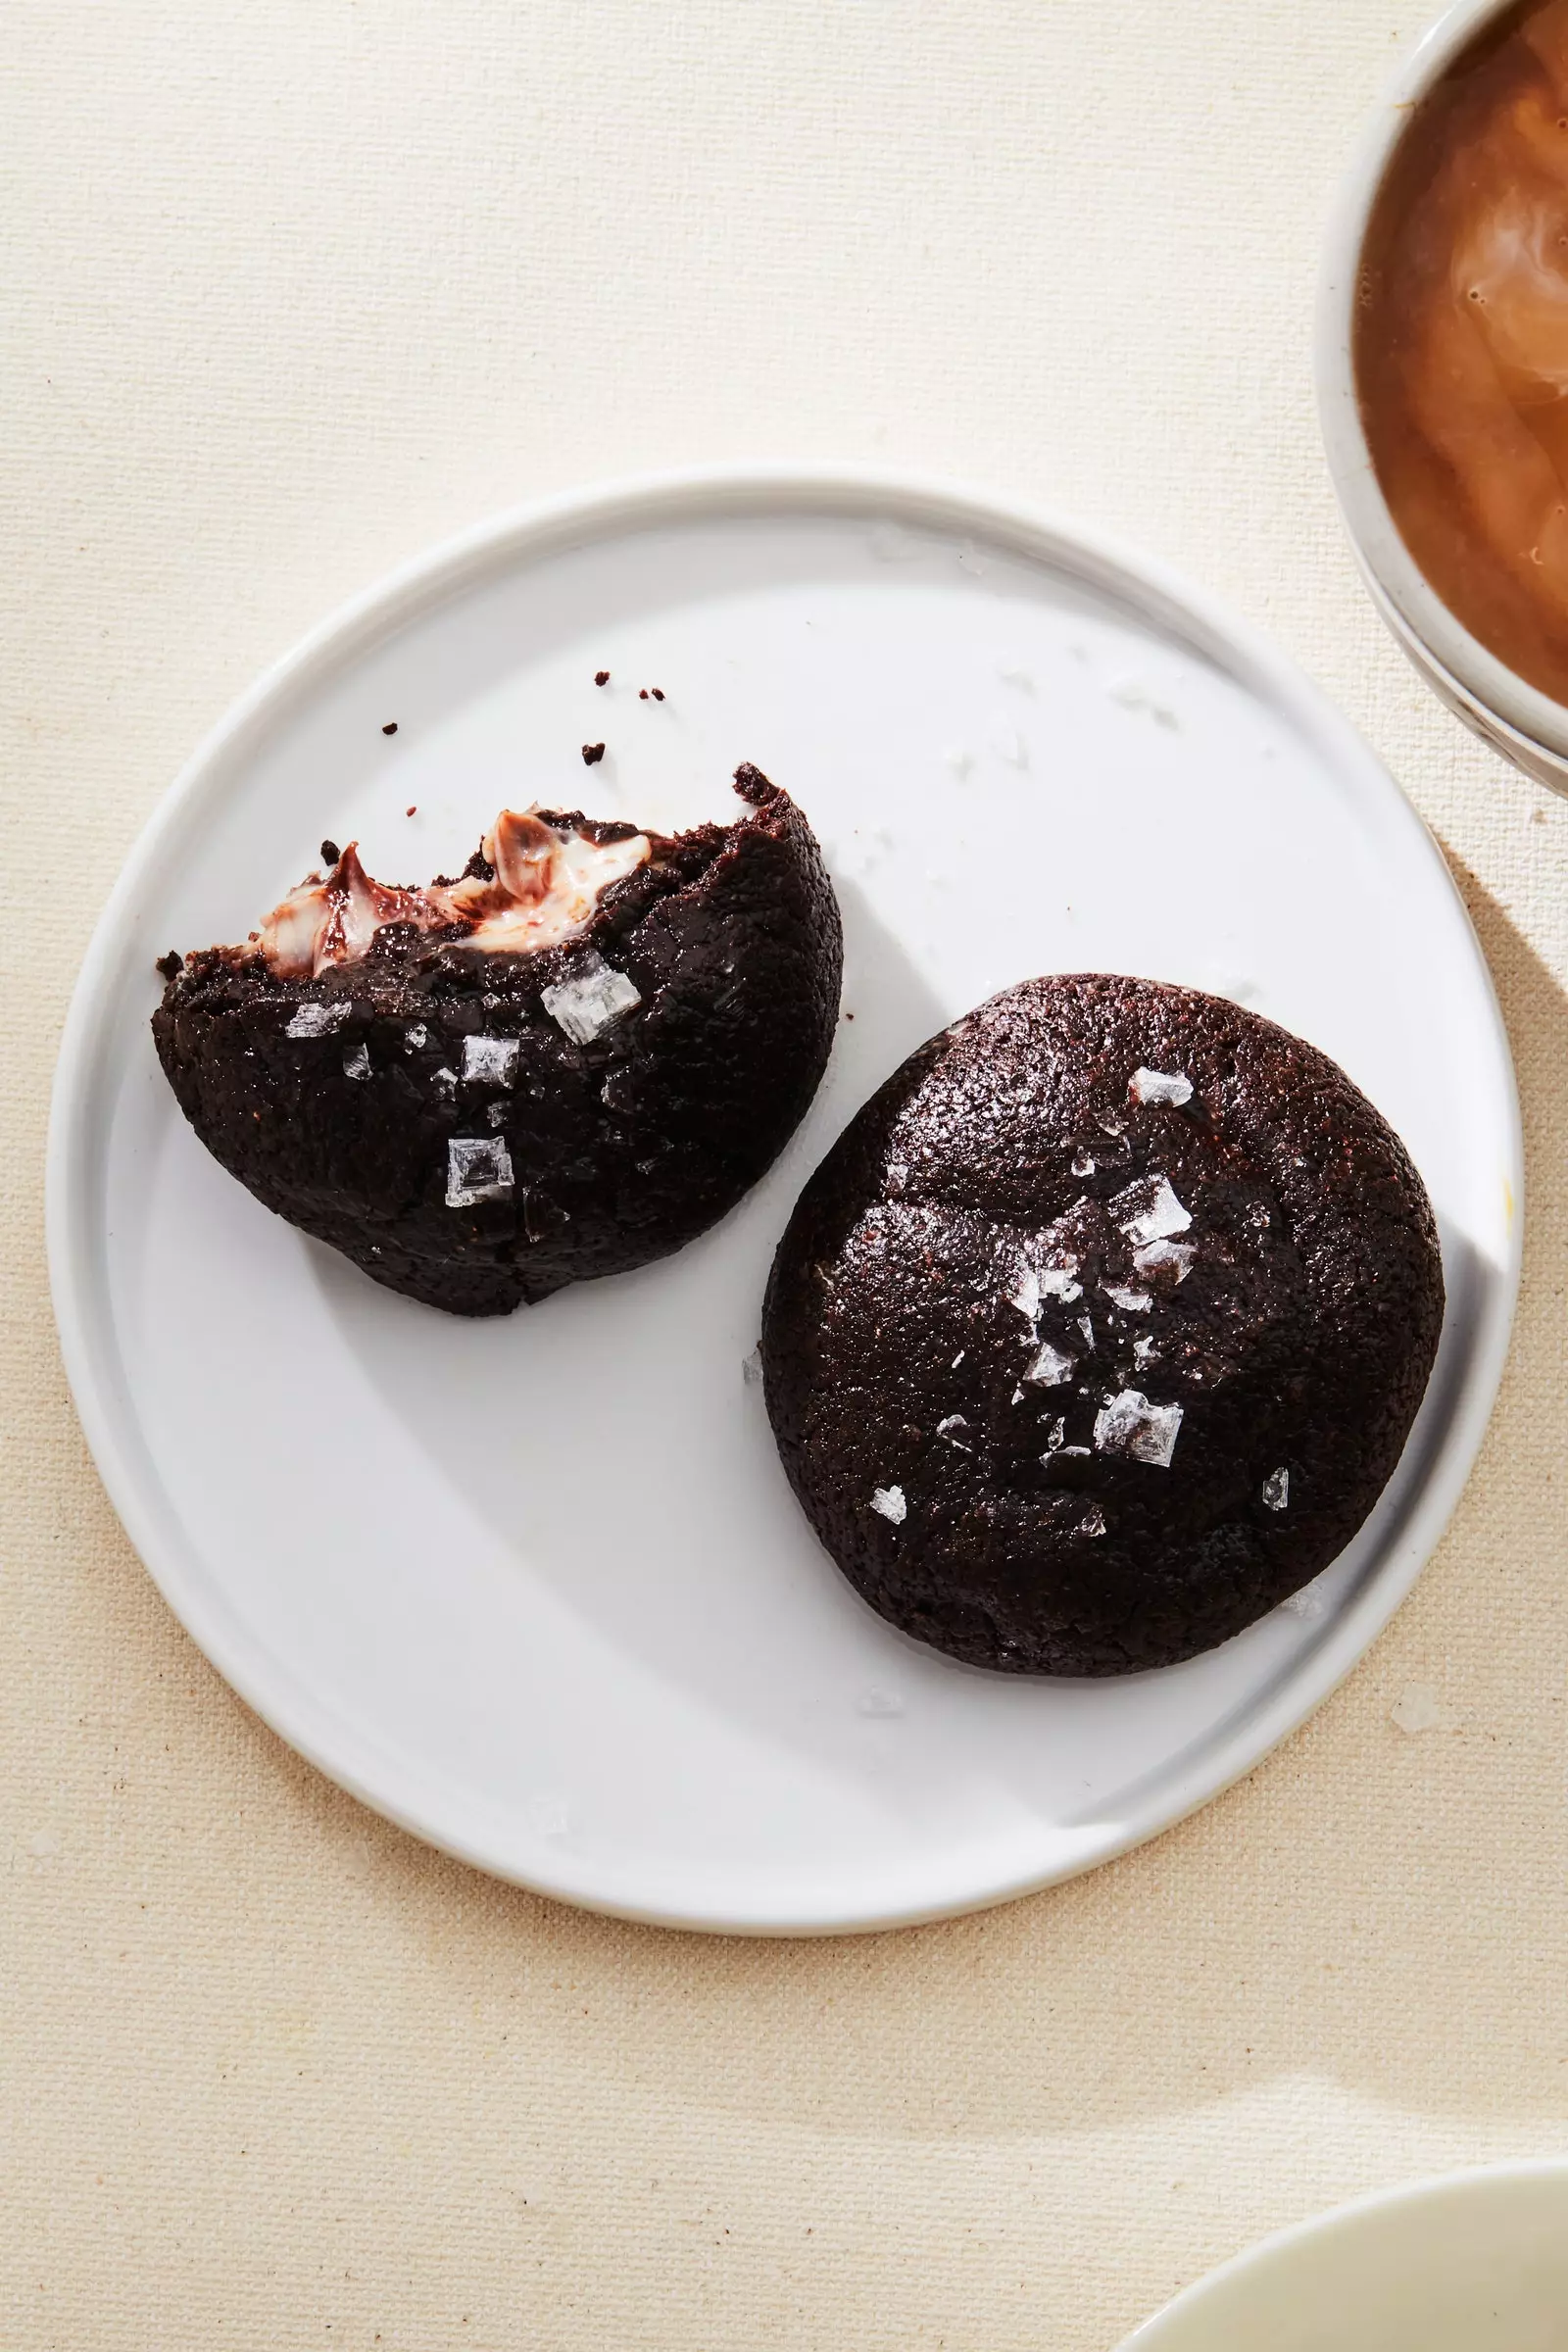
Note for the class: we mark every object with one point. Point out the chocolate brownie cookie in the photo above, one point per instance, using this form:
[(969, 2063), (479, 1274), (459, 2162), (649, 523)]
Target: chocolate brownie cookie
[(1101, 1328), (574, 1058)]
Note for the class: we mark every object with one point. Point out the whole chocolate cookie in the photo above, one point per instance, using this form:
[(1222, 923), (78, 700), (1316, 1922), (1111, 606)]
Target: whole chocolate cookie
[(1101, 1328), (570, 1061)]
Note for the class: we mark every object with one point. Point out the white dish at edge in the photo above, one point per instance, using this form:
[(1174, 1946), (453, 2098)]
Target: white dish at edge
[(1471, 2261), (536, 1588)]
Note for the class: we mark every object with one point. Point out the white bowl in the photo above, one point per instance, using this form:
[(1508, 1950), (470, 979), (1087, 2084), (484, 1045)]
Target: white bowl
[(1473, 2262), (1528, 726)]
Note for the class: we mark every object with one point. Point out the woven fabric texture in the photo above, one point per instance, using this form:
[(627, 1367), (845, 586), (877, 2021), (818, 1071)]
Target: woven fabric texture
[(292, 291)]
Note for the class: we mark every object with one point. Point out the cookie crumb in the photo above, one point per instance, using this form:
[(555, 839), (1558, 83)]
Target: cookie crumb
[(601, 677), (413, 809), (592, 753), (330, 853), (391, 727), (169, 966), (658, 692), (642, 693)]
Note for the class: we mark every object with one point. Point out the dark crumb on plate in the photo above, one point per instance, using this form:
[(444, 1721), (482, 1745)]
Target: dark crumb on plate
[(330, 853), (413, 809), (592, 753), (848, 1016), (642, 693), (391, 727), (601, 677), (657, 694), (169, 966)]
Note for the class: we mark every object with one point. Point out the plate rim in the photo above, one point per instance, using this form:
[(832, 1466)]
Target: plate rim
[(534, 530), (1428, 2188)]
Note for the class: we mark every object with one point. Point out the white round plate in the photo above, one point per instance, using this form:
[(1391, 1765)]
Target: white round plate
[(1473, 2262), (536, 1588)]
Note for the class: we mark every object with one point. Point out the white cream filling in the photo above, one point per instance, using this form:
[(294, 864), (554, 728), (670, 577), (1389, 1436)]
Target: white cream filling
[(546, 888)]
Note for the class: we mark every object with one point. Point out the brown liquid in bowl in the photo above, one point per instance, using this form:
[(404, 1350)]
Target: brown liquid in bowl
[(1461, 341)]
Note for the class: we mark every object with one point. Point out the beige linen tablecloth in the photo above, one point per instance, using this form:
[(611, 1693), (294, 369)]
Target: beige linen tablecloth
[(291, 291)]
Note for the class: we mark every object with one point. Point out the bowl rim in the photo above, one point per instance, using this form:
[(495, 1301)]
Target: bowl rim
[(1431, 2187), (1468, 666)]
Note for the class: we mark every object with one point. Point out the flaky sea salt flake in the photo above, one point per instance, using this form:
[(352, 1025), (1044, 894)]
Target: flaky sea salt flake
[(1134, 694), (1165, 1257), (1051, 1367), (590, 999), (1025, 1292), (1131, 1302), (318, 1020), (478, 1168), (491, 1060), (1416, 1709), (1159, 1086), (752, 1367), (1093, 1522), (892, 544), (1129, 1424), (889, 1500), (1148, 1211), (1277, 1488), (357, 1062)]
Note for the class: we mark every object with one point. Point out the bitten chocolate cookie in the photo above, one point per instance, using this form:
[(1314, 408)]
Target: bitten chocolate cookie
[(570, 1061), (1101, 1328)]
